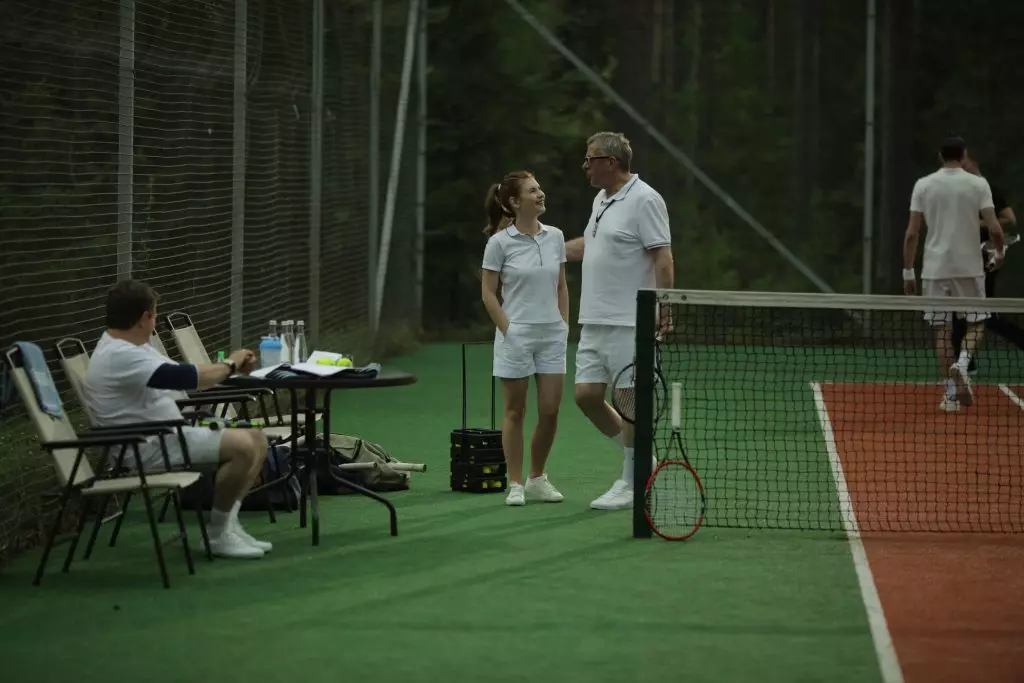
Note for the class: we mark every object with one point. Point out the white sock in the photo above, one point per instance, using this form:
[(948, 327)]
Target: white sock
[(950, 388), (627, 464), (234, 513), (219, 521)]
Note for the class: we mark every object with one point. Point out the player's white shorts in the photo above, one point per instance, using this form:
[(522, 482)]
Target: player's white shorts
[(203, 450), (954, 287), (603, 351), (531, 348)]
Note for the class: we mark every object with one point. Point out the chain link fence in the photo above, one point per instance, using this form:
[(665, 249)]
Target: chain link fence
[(175, 143)]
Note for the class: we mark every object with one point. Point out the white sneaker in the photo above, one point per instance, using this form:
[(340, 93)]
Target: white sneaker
[(516, 494), (230, 544), (539, 488), (265, 546), (963, 385), (949, 404), (618, 497)]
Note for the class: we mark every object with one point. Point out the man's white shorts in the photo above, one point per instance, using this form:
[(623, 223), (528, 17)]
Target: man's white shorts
[(604, 350), (203, 450), (954, 288), (530, 348)]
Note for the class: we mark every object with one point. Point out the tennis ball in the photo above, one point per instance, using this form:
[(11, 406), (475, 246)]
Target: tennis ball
[(344, 362), (324, 361)]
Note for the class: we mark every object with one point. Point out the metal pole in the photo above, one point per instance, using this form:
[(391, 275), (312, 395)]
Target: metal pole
[(396, 156), (238, 175), (421, 160), (316, 138), (374, 170), (125, 138), (673, 151), (869, 149)]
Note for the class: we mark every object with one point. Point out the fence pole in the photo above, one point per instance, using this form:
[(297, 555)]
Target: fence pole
[(396, 156), (373, 228), (125, 138), (315, 173), (421, 159), (869, 148), (238, 174)]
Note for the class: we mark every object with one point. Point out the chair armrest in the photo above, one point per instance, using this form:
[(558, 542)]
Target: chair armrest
[(222, 394), (155, 427), (256, 391), (215, 400), (95, 440)]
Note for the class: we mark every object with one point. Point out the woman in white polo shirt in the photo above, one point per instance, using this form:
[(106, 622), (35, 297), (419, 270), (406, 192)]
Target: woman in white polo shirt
[(528, 259)]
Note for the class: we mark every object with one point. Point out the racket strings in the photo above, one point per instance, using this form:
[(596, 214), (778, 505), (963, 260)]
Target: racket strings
[(675, 501)]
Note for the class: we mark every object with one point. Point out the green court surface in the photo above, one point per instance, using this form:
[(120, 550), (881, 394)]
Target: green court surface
[(469, 590)]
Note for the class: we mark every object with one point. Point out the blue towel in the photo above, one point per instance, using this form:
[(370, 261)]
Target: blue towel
[(34, 362)]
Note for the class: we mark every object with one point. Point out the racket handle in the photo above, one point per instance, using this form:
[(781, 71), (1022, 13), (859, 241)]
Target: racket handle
[(407, 466), (357, 466), (677, 399)]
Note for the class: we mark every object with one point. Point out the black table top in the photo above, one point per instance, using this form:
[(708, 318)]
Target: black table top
[(388, 377)]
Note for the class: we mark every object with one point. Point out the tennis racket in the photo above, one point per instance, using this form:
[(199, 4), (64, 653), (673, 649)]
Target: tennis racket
[(989, 249), (675, 503), (624, 394)]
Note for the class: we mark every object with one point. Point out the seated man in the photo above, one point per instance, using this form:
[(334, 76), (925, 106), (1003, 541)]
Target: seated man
[(130, 382)]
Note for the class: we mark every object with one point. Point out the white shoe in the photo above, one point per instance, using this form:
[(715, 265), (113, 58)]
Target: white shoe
[(949, 404), (618, 497), (963, 385), (265, 546), (539, 488), (516, 494), (230, 544)]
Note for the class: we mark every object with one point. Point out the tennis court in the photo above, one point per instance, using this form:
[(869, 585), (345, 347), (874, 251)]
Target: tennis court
[(473, 589)]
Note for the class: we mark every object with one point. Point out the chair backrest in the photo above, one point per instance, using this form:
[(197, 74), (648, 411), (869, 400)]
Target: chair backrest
[(74, 361), (187, 339), (157, 343), (49, 428)]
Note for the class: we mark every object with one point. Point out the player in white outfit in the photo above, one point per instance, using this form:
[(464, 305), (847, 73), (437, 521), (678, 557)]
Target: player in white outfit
[(527, 258), (948, 201), (627, 246)]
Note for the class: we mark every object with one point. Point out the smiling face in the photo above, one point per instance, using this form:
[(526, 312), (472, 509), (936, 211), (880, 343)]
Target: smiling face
[(530, 202)]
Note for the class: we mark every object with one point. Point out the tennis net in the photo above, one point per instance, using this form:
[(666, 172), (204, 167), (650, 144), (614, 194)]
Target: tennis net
[(825, 412)]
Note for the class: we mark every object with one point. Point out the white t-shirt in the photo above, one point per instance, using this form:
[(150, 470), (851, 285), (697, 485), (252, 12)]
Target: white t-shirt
[(529, 268), (951, 199), (115, 385), (616, 252)]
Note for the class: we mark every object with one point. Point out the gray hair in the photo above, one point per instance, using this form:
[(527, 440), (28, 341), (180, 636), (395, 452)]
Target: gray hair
[(614, 145)]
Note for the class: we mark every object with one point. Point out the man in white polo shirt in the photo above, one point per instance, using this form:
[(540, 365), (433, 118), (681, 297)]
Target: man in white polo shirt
[(948, 201), (627, 246)]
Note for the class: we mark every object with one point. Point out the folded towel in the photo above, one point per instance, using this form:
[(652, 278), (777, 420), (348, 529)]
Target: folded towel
[(34, 362)]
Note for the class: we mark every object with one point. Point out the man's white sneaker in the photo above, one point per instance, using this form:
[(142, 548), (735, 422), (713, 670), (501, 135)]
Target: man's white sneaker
[(516, 495), (949, 404), (539, 488), (618, 497), (230, 544), (963, 385), (265, 546)]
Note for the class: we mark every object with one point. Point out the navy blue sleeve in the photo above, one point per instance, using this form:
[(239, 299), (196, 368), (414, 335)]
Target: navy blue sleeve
[(174, 377)]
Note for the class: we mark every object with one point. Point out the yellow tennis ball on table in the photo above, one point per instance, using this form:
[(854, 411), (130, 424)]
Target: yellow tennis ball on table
[(324, 361), (344, 362)]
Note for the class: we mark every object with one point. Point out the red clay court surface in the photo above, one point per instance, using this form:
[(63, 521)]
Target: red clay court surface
[(952, 591)]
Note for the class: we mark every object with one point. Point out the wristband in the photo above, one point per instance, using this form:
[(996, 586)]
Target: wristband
[(908, 274)]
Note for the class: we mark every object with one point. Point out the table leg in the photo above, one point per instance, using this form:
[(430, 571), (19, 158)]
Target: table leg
[(317, 453)]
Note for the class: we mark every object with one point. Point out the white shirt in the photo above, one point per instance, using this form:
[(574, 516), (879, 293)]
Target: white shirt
[(529, 268), (617, 262), (951, 199), (115, 385)]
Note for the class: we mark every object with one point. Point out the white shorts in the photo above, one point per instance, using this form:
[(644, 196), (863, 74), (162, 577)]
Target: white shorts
[(954, 288), (604, 350), (532, 348), (203, 450)]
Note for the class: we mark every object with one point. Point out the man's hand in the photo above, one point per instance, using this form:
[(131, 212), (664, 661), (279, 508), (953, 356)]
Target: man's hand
[(244, 360), (664, 319), (910, 287)]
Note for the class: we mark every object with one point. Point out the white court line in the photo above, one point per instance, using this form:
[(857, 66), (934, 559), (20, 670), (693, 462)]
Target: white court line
[(887, 659), (1012, 396)]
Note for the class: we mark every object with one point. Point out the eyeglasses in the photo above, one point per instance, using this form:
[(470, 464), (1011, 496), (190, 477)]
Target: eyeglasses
[(587, 159)]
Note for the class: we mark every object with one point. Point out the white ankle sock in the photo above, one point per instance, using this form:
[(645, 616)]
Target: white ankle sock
[(964, 361), (627, 464), (219, 521), (950, 388)]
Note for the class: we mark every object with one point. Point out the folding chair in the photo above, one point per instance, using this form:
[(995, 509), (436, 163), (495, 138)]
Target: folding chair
[(77, 477), (74, 360)]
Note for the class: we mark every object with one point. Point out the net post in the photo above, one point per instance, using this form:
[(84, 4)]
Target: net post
[(643, 445)]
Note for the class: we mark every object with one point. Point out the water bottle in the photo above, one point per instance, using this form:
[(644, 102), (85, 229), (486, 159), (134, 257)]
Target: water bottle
[(299, 351), (270, 347), (287, 341)]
